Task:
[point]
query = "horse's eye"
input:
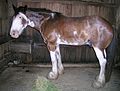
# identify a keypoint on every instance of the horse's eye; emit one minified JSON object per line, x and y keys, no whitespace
{"x":20,"y":17}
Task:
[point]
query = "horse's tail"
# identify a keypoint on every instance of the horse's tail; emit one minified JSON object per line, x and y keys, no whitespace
{"x":111,"y":51}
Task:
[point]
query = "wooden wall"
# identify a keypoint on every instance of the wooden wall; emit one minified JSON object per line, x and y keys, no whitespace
{"x":73,"y":8}
{"x":3,"y":18}
{"x":3,"y":28}
{"x":118,"y":18}
{"x":118,"y":34}
{"x":4,"y":44}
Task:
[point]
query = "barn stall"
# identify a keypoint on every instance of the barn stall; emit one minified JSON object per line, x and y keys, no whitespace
{"x":23,"y":59}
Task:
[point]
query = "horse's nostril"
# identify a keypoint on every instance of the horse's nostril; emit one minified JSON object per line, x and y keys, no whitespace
{"x":13,"y":33}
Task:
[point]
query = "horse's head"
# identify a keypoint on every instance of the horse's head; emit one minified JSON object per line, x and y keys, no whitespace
{"x":20,"y":21}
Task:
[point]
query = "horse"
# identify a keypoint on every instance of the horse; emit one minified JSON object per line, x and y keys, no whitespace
{"x":57,"y":29}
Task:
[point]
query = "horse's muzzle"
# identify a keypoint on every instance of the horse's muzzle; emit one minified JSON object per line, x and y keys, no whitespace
{"x":14,"y":34}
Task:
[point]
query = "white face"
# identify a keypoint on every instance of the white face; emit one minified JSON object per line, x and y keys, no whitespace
{"x":20,"y":22}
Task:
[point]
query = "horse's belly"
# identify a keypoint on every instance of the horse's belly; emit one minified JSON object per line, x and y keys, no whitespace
{"x":70,"y":42}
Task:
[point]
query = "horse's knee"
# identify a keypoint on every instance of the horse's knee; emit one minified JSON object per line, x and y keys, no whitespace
{"x":51,"y":46}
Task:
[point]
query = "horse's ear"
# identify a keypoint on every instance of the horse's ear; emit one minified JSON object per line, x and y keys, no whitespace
{"x":25,"y":8}
{"x":14,"y":8}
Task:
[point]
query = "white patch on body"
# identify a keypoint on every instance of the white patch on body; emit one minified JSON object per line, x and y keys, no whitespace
{"x":105,"y":53}
{"x":75,"y":32}
{"x":64,"y":42}
{"x":31,"y":23}
{"x":88,"y":24}
{"x":52,"y":14}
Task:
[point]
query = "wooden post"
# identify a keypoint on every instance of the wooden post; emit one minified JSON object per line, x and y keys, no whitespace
{"x":29,"y":58}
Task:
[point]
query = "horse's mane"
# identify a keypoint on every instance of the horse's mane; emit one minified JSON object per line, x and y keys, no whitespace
{"x":44,"y":11}
{"x":38,"y":10}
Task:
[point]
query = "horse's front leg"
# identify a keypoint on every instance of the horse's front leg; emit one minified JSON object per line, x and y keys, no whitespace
{"x":54,"y":73}
{"x":100,"y":80}
{"x":60,"y":65}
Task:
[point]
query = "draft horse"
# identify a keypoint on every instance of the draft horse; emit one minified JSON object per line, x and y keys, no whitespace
{"x":57,"y":29}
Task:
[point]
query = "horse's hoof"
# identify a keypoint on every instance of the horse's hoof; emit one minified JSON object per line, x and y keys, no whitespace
{"x":52,"y":76}
{"x":61,"y":71}
{"x":98,"y":84}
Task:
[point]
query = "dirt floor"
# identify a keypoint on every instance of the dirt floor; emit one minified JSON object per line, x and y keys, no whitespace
{"x":74,"y":79}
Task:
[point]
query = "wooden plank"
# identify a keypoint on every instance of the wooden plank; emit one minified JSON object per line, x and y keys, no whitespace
{"x":4,"y":62}
{"x":1,"y":52}
{"x":65,"y":65}
{"x":69,"y":54}
{"x":0,"y":26}
{"x":4,"y":39}
{"x":106,"y":4}
{"x":118,"y":19}
{"x":28,"y":59}
{"x":75,"y":10}
{"x":21,"y":47}
{"x":0,"y":9}
{"x":40,"y":53}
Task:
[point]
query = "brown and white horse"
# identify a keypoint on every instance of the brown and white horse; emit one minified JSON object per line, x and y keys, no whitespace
{"x":57,"y":29}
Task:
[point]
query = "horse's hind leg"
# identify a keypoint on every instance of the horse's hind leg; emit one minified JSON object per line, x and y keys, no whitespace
{"x":100,"y":81}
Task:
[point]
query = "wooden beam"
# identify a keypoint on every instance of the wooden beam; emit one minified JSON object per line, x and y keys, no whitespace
{"x":21,"y":47}
{"x":92,"y":65}
{"x":4,"y":61}
{"x":4,"y":39}
{"x":72,"y":2}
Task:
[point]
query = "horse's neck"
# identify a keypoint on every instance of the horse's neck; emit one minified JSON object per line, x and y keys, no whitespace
{"x":35,"y":18}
